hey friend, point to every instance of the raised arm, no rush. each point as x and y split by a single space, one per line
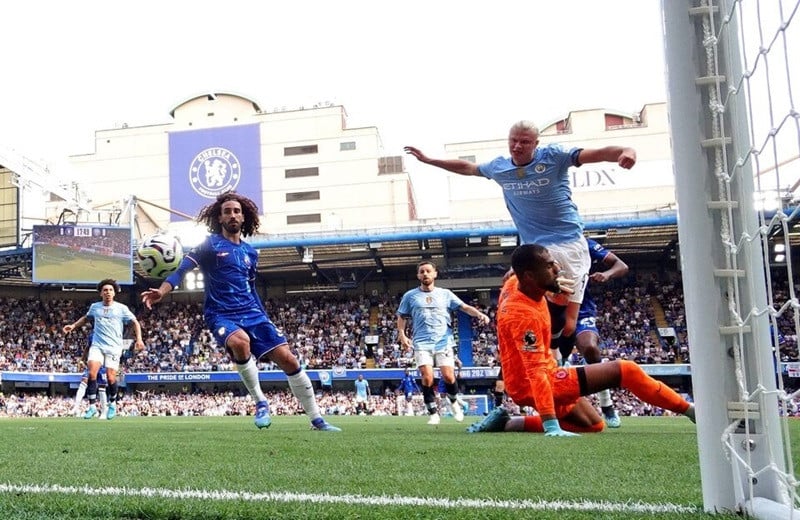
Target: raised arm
152 296
614 268
452 165
622 155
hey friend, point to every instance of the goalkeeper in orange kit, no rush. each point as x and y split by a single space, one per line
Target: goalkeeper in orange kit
532 375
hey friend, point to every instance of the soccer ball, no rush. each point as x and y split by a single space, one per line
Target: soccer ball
160 255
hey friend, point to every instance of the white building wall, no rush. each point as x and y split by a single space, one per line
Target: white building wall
352 194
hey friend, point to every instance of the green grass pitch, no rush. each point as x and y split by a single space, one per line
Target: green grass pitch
378 467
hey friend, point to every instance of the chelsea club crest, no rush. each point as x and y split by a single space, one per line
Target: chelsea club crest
214 171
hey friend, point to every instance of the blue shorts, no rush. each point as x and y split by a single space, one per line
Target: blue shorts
587 324
264 335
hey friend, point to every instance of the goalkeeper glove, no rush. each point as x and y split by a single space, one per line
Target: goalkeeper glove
553 429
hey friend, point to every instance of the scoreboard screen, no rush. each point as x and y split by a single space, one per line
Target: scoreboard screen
82 254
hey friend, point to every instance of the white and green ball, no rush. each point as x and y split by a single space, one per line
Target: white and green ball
160 255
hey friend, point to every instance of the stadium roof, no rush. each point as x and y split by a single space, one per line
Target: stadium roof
344 259
335 260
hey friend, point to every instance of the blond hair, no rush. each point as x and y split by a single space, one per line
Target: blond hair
526 126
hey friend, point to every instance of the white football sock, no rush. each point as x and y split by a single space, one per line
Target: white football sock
304 391
605 398
102 399
249 374
79 394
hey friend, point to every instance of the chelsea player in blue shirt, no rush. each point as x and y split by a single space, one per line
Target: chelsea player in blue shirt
233 310
408 385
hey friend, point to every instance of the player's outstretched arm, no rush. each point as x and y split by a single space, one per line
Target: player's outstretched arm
152 296
622 155
452 165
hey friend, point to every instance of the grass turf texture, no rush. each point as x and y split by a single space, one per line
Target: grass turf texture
378 467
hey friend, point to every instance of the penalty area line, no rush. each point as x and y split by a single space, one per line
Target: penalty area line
324 498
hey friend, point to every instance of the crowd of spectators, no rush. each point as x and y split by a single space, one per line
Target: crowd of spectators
218 404
325 332
224 404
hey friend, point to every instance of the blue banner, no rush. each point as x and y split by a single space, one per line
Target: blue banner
325 376
465 338
205 163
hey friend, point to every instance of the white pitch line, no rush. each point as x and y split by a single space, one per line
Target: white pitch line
382 500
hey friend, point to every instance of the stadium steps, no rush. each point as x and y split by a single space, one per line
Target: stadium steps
661 321
658 312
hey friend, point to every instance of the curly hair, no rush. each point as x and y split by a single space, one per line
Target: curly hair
108 281
210 214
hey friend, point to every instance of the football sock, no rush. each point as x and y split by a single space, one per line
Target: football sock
605 398
452 391
102 399
533 423
303 390
248 371
429 397
91 391
498 398
80 393
649 390
112 391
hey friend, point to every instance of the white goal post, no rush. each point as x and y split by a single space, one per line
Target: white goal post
735 137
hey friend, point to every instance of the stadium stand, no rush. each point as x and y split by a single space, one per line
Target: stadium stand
325 333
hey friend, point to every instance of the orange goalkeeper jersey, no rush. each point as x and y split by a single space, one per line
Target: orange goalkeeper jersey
523 331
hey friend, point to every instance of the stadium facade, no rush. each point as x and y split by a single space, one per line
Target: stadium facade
339 213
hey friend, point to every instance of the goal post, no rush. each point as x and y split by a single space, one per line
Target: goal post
745 463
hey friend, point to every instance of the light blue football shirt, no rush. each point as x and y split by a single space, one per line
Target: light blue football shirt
361 388
431 320
109 323
539 195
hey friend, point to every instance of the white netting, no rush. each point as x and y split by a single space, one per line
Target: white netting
762 34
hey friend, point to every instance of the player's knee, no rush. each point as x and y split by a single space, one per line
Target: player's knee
596 427
591 354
